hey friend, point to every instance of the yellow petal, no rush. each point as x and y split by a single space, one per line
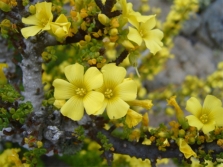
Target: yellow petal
63 89
153 40
134 36
93 78
31 20
113 75
208 127
30 31
102 109
194 106
211 102
75 74
217 113
185 148
59 103
61 19
149 24
46 27
127 90
194 121
117 108
73 109
43 10
93 102
133 118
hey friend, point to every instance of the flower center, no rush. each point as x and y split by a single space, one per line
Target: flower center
81 91
204 118
108 93
43 21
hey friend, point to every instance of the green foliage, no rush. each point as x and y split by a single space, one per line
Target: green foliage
10 110
23 110
32 156
104 141
9 94
80 133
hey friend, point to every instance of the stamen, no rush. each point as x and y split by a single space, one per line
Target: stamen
80 91
108 93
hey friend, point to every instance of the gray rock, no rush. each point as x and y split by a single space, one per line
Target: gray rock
211 28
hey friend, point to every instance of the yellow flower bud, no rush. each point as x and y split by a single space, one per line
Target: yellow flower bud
73 13
113 38
145 120
5 7
39 144
87 38
128 45
103 19
179 112
32 9
3 79
113 32
147 104
132 118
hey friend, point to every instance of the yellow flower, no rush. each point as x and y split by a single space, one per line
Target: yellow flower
116 90
132 118
144 31
10 157
60 28
40 20
3 79
206 117
185 148
79 91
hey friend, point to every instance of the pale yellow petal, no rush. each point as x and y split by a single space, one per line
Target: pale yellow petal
93 102
31 20
30 31
194 106
63 89
217 114
75 74
134 36
46 27
149 24
194 121
73 109
185 148
133 118
93 78
113 75
102 109
211 102
43 11
61 19
208 127
153 40
127 90
117 108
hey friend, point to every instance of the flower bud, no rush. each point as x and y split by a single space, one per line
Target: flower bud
103 19
32 9
113 32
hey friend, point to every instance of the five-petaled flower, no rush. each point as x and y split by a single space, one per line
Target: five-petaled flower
40 21
207 117
80 91
144 32
117 90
